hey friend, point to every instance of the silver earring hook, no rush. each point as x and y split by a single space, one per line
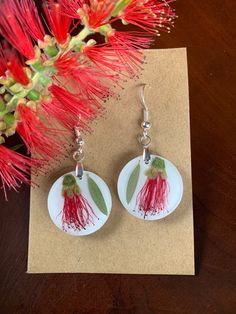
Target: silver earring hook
145 139
143 103
78 154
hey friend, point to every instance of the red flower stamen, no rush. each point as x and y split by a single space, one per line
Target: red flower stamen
150 15
152 199
93 13
38 138
127 46
105 58
56 111
97 13
27 13
58 22
14 65
15 169
80 76
3 60
12 30
70 7
76 212
73 104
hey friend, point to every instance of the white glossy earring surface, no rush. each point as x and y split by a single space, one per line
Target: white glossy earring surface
175 183
56 201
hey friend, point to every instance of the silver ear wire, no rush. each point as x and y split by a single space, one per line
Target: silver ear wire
143 103
78 154
145 139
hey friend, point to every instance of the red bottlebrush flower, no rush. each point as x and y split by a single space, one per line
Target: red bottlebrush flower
105 58
15 169
14 65
12 30
93 13
27 13
152 199
77 213
70 7
97 12
127 46
151 15
3 60
80 76
67 107
38 138
56 110
59 24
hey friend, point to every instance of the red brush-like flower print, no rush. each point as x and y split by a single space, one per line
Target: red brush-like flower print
58 23
77 213
153 197
151 15
15 169
12 30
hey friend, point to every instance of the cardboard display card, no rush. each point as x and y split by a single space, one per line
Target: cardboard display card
126 244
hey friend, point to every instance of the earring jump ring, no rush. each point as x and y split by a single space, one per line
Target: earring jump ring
145 141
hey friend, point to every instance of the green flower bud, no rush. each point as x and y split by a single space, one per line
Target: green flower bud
2 105
33 95
38 66
51 51
9 118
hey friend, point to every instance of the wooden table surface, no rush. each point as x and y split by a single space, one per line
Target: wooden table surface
207 29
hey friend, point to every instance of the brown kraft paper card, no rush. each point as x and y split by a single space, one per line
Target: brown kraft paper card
126 244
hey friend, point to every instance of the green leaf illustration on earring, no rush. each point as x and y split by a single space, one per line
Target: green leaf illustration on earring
132 183
97 196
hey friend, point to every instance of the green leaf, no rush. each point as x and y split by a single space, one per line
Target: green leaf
132 183
97 196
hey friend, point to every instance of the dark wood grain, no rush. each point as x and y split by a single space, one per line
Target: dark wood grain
207 28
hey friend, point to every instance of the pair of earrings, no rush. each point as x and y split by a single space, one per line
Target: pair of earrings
150 187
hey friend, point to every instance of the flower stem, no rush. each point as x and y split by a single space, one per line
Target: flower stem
80 37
